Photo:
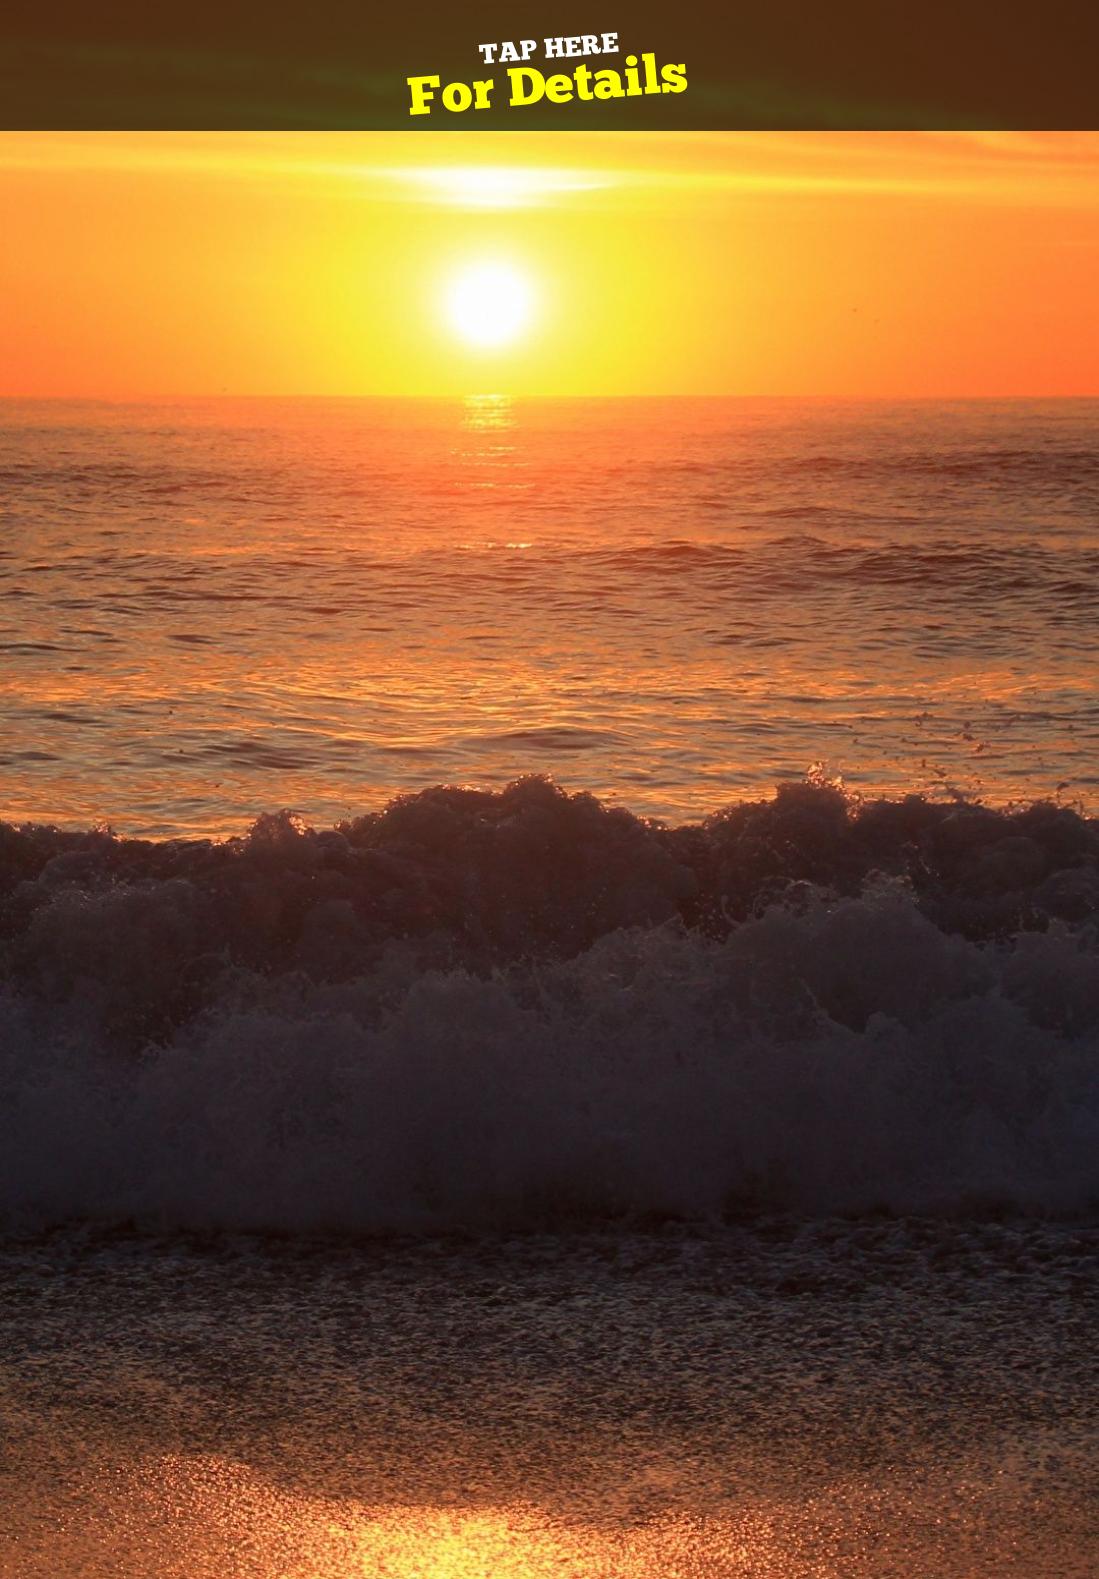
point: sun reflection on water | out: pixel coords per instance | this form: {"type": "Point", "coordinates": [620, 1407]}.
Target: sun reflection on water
{"type": "Point", "coordinates": [201, 1516]}
{"type": "Point", "coordinates": [209, 1516]}
{"type": "Point", "coordinates": [482, 413]}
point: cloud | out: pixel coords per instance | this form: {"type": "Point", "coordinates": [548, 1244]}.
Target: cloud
{"type": "Point", "coordinates": [545, 169]}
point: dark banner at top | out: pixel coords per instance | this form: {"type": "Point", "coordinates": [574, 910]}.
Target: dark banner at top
{"type": "Point", "coordinates": [587, 66]}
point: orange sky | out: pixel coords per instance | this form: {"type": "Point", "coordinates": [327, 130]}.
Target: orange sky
{"type": "Point", "coordinates": [860, 264]}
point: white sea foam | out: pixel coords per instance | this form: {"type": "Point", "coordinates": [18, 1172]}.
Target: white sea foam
{"type": "Point", "coordinates": [836, 1055]}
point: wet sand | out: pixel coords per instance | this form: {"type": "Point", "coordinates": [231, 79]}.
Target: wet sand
{"type": "Point", "coordinates": [775, 1399]}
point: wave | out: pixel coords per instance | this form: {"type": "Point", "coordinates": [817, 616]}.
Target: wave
{"type": "Point", "coordinates": [474, 1009]}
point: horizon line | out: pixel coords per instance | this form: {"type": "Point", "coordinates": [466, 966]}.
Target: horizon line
{"type": "Point", "coordinates": [482, 394]}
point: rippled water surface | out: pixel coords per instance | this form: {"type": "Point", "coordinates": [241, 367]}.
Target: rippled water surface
{"type": "Point", "coordinates": [220, 608]}
{"type": "Point", "coordinates": [500, 1184]}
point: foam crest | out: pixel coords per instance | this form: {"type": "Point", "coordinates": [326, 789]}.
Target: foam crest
{"type": "Point", "coordinates": [474, 1010]}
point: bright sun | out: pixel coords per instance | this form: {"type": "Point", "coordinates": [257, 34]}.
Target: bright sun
{"type": "Point", "coordinates": [489, 304]}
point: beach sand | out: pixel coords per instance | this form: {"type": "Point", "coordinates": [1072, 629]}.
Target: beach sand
{"type": "Point", "coordinates": [780, 1399]}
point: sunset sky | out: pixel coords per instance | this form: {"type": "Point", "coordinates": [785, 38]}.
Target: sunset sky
{"type": "Point", "coordinates": [853, 264]}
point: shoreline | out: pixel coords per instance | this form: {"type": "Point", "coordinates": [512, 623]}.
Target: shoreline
{"type": "Point", "coordinates": [723, 1406]}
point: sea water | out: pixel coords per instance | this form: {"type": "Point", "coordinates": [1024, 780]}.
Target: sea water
{"type": "Point", "coordinates": [221, 608]}
{"type": "Point", "coordinates": [412, 1162]}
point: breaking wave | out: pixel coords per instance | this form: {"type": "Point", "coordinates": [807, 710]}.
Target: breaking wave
{"type": "Point", "coordinates": [474, 1010]}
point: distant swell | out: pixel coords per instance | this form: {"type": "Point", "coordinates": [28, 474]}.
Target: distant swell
{"type": "Point", "coordinates": [476, 1009]}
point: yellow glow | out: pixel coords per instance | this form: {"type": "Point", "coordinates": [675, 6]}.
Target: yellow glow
{"type": "Point", "coordinates": [489, 304]}
{"type": "Point", "coordinates": [494, 186]}
{"type": "Point", "coordinates": [849, 264]}
{"type": "Point", "coordinates": [207, 1516]}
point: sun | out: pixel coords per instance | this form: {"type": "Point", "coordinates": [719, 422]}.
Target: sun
{"type": "Point", "coordinates": [489, 305]}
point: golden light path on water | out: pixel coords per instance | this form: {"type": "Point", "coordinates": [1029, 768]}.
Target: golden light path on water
{"type": "Point", "coordinates": [222, 609]}
{"type": "Point", "coordinates": [906, 1400]}
{"type": "Point", "coordinates": [197, 1518]}
{"type": "Point", "coordinates": [207, 1517]}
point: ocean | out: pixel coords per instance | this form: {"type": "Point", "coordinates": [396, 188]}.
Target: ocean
{"type": "Point", "coordinates": [549, 1018]}
{"type": "Point", "coordinates": [222, 608]}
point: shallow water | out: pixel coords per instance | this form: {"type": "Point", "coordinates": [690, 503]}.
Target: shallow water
{"type": "Point", "coordinates": [218, 609]}
{"type": "Point", "coordinates": [785, 1399]}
